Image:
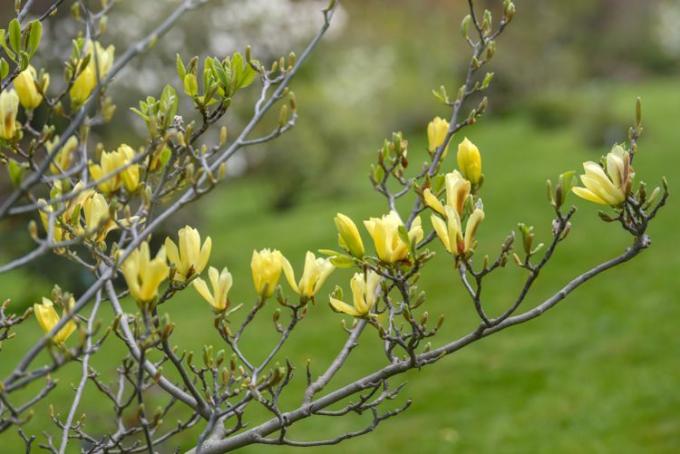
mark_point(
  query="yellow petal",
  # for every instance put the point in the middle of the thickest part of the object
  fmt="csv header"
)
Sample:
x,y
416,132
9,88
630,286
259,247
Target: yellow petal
x,y
344,308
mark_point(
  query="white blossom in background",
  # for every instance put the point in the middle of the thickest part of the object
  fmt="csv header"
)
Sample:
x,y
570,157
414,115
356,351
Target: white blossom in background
x,y
373,67
668,26
271,27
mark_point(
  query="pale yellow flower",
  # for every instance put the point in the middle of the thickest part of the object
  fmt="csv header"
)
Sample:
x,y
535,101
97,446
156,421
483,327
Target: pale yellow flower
x,y
450,232
389,244
348,235
457,193
144,275
608,188
221,282
190,258
266,268
470,161
315,273
48,318
365,293
25,85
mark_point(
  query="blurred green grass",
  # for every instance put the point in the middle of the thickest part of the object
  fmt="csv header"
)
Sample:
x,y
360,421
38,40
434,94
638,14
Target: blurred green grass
x,y
599,373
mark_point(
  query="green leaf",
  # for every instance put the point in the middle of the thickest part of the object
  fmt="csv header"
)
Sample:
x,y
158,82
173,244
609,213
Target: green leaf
x,y
168,104
237,69
16,172
24,59
3,43
329,252
181,70
248,77
34,37
567,180
403,234
4,68
140,113
342,261
190,85
15,35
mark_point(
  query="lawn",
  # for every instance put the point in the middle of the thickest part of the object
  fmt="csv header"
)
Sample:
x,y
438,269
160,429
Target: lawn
x,y
599,373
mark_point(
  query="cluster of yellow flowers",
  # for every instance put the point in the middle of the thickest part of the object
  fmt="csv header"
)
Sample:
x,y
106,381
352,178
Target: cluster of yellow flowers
x,y
393,244
455,220
30,87
187,261
116,168
86,214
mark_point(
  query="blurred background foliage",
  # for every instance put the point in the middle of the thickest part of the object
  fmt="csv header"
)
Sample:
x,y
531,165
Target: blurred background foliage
x,y
599,374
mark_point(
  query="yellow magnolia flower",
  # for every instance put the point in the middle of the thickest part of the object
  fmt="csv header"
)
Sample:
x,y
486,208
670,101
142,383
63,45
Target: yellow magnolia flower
x,y
9,106
314,275
450,232
470,161
190,258
221,283
437,131
144,275
87,80
348,235
25,85
457,192
609,188
48,318
64,158
389,245
365,292
266,267
112,161
97,216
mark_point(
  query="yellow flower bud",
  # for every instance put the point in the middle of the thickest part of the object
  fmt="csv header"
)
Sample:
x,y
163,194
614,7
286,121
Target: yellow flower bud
x,y
470,161
83,86
9,106
190,258
266,268
86,81
450,232
97,216
612,187
144,275
365,293
221,282
25,85
315,273
437,130
64,157
348,235
48,318
389,244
